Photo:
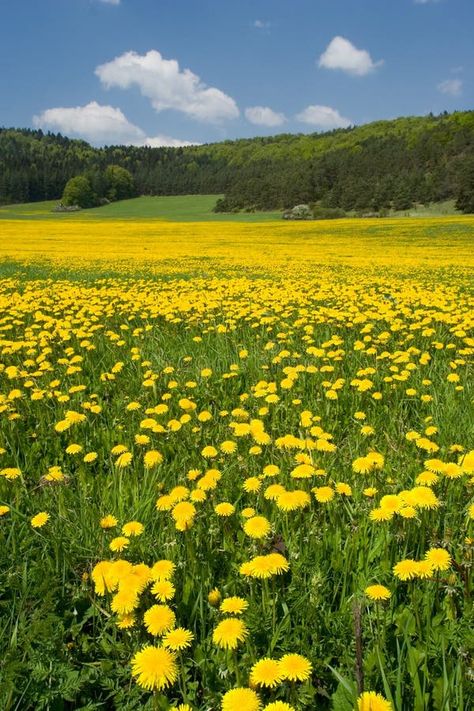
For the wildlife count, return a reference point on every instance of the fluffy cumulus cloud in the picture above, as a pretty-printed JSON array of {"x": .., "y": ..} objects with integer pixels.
[
  {"x": 264, "y": 116},
  {"x": 99, "y": 124},
  {"x": 94, "y": 122},
  {"x": 342, "y": 54},
  {"x": 453, "y": 87},
  {"x": 167, "y": 86},
  {"x": 323, "y": 117}
]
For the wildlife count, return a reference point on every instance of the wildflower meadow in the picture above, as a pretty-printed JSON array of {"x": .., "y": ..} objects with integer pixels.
[{"x": 236, "y": 465}]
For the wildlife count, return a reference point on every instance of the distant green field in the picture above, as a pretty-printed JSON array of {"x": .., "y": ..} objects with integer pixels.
[{"x": 176, "y": 208}]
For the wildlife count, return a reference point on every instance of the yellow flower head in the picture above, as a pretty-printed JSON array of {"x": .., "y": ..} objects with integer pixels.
[
  {"x": 266, "y": 672},
  {"x": 108, "y": 521},
  {"x": 159, "y": 619},
  {"x": 378, "y": 592},
  {"x": 371, "y": 701},
  {"x": 241, "y": 699},
  {"x": 438, "y": 558},
  {"x": 40, "y": 519},
  {"x": 295, "y": 667},
  {"x": 178, "y": 639},
  {"x": 154, "y": 668},
  {"x": 229, "y": 633},
  {"x": 233, "y": 605},
  {"x": 257, "y": 527}
]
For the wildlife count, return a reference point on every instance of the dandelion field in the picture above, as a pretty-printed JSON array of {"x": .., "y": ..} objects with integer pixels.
[{"x": 236, "y": 465}]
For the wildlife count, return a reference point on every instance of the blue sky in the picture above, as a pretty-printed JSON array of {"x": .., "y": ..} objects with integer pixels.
[{"x": 176, "y": 71}]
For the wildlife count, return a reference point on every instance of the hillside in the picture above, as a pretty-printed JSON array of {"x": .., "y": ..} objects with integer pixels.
[{"x": 382, "y": 165}]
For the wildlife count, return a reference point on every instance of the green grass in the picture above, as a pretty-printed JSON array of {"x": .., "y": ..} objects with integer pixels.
[
  {"x": 446, "y": 207},
  {"x": 176, "y": 208},
  {"x": 60, "y": 647}
]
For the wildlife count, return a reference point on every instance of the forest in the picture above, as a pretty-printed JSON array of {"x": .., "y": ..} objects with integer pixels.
[{"x": 374, "y": 167}]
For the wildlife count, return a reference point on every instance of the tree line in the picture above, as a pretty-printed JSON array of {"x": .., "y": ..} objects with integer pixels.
[{"x": 379, "y": 166}]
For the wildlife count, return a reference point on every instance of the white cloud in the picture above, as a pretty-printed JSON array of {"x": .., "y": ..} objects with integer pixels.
[
  {"x": 167, "y": 86},
  {"x": 110, "y": 2},
  {"x": 261, "y": 24},
  {"x": 159, "y": 141},
  {"x": 424, "y": 2},
  {"x": 264, "y": 116},
  {"x": 323, "y": 117},
  {"x": 94, "y": 122},
  {"x": 453, "y": 87},
  {"x": 100, "y": 124},
  {"x": 342, "y": 54}
]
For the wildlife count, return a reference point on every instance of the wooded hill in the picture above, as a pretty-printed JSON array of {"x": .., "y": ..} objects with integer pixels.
[{"x": 381, "y": 165}]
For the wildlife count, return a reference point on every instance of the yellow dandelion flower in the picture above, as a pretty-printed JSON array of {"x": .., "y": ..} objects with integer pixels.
[
  {"x": 233, "y": 605},
  {"x": 163, "y": 590},
  {"x": 406, "y": 569},
  {"x": 108, "y": 521},
  {"x": 248, "y": 512},
  {"x": 124, "y": 460},
  {"x": 424, "y": 569},
  {"x": 371, "y": 701},
  {"x": 118, "y": 449},
  {"x": 378, "y": 592},
  {"x": 438, "y": 558},
  {"x": 295, "y": 667},
  {"x": 229, "y": 633},
  {"x": 323, "y": 494},
  {"x": 251, "y": 485},
  {"x": 162, "y": 570},
  {"x": 159, "y": 619},
  {"x": 380, "y": 514},
  {"x": 257, "y": 527},
  {"x": 118, "y": 543},
  {"x": 427, "y": 478},
  {"x": 264, "y": 566},
  {"x": 228, "y": 447},
  {"x": 133, "y": 528},
  {"x": 154, "y": 668},
  {"x": 303, "y": 471},
  {"x": 178, "y": 639},
  {"x": 240, "y": 699},
  {"x": 224, "y": 509},
  {"x": 343, "y": 489},
  {"x": 10, "y": 473},
  {"x": 125, "y": 601},
  {"x": 183, "y": 515},
  {"x": 74, "y": 449},
  {"x": 266, "y": 672},
  {"x": 152, "y": 458},
  {"x": 407, "y": 512},
  {"x": 273, "y": 491},
  {"x": 40, "y": 519},
  {"x": 209, "y": 452},
  {"x": 370, "y": 491}
]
